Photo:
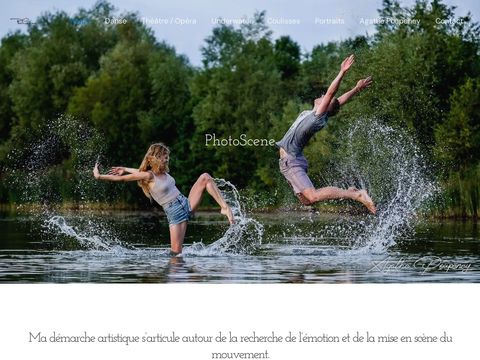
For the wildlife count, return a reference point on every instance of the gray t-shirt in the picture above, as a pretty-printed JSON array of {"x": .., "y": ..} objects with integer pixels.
[
  {"x": 302, "y": 130},
  {"x": 163, "y": 190}
]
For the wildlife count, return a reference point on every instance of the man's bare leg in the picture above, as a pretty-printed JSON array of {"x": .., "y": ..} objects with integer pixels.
[{"x": 312, "y": 195}]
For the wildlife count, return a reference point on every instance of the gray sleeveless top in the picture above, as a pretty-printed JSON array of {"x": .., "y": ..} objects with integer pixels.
[
  {"x": 302, "y": 130},
  {"x": 163, "y": 190}
]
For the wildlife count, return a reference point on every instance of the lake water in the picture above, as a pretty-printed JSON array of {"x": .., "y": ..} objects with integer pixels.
[
  {"x": 293, "y": 246},
  {"x": 284, "y": 246}
]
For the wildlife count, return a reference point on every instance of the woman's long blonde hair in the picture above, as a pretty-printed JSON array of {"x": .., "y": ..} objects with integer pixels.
[{"x": 153, "y": 161}]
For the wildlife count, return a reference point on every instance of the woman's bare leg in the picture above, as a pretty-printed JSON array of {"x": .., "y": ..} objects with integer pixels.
[
  {"x": 177, "y": 235},
  {"x": 205, "y": 182},
  {"x": 330, "y": 192}
]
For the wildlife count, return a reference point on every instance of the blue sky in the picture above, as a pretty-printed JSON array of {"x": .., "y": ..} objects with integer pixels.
[{"x": 186, "y": 23}]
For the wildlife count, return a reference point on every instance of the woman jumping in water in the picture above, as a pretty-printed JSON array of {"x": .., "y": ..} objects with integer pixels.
[
  {"x": 293, "y": 164},
  {"x": 156, "y": 183}
]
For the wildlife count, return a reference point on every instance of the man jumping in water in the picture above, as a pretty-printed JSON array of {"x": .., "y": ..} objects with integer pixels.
[{"x": 293, "y": 164}]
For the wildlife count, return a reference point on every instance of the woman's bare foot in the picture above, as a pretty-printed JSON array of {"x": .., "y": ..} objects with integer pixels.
[
  {"x": 227, "y": 211},
  {"x": 367, "y": 201}
]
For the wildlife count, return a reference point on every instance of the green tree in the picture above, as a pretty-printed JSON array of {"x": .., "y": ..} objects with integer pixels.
[
  {"x": 238, "y": 92},
  {"x": 457, "y": 148},
  {"x": 417, "y": 65},
  {"x": 458, "y": 137},
  {"x": 168, "y": 118},
  {"x": 58, "y": 55},
  {"x": 112, "y": 98},
  {"x": 10, "y": 45}
]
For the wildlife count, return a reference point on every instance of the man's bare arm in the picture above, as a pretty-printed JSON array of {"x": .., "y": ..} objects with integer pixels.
[
  {"x": 361, "y": 85},
  {"x": 332, "y": 89}
]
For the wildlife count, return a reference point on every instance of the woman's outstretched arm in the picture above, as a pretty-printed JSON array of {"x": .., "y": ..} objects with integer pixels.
[
  {"x": 120, "y": 170},
  {"x": 138, "y": 175}
]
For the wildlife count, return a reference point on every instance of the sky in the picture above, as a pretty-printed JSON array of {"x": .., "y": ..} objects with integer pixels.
[{"x": 186, "y": 23}]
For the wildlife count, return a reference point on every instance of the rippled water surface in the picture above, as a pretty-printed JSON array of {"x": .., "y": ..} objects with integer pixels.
[{"x": 280, "y": 247}]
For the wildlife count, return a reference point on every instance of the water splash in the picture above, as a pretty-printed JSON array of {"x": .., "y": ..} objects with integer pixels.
[
  {"x": 243, "y": 237},
  {"x": 58, "y": 225},
  {"x": 66, "y": 148},
  {"x": 389, "y": 164},
  {"x": 382, "y": 159}
]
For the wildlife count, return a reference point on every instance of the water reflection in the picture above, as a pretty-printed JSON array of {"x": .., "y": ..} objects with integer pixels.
[{"x": 437, "y": 252}]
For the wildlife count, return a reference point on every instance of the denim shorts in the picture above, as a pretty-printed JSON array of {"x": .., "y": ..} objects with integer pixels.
[
  {"x": 295, "y": 168},
  {"x": 178, "y": 210}
]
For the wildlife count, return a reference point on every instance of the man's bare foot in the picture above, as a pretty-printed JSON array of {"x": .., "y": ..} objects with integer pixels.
[
  {"x": 227, "y": 211},
  {"x": 367, "y": 201},
  {"x": 303, "y": 199}
]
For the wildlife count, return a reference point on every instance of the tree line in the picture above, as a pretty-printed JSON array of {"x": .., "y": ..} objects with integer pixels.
[{"x": 134, "y": 90}]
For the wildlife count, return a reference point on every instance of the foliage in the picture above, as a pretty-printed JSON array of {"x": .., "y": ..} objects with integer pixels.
[{"x": 121, "y": 82}]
